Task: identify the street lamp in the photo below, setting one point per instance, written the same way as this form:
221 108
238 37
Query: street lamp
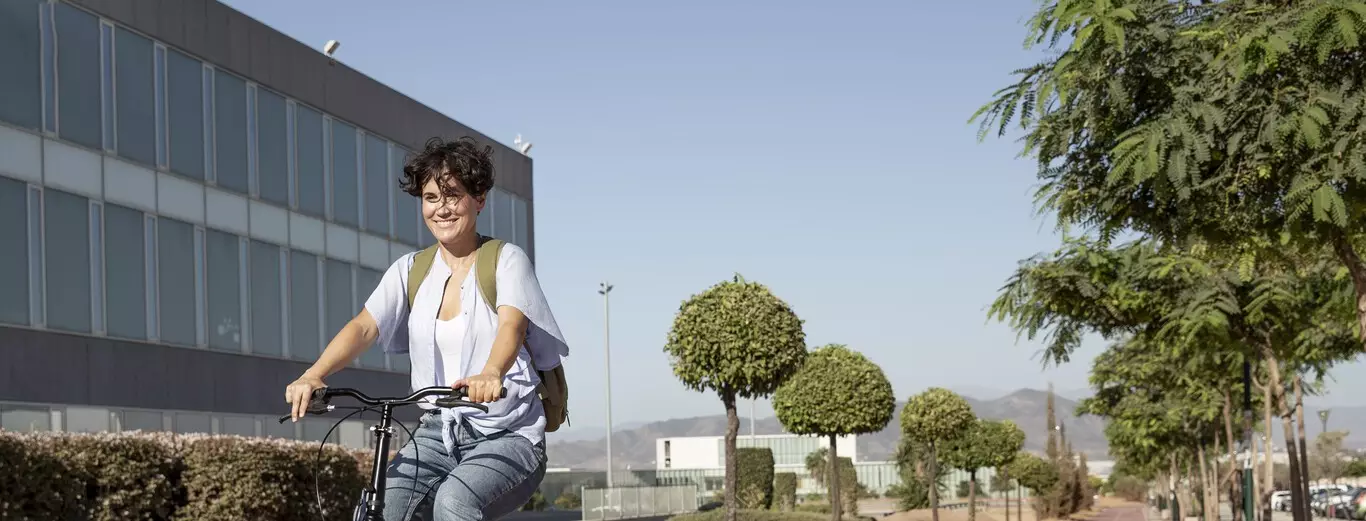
1323 417
604 289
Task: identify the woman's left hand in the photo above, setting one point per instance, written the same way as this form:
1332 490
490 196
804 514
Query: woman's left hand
482 388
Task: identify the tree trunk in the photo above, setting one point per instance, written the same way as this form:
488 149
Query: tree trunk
1304 451
1268 465
1019 503
972 495
1342 246
732 474
1007 491
934 482
1174 503
1204 482
833 471
1258 505
1276 386
1234 485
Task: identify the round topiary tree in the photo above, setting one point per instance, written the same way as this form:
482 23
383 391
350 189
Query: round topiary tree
984 444
837 393
739 340
933 417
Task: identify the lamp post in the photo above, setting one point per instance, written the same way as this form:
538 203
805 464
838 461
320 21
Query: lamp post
604 289
1323 417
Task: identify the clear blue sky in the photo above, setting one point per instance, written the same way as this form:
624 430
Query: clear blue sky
818 147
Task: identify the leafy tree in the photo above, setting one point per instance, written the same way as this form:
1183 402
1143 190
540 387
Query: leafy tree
984 444
1034 473
1232 122
932 417
1355 469
837 392
1327 458
739 340
1195 309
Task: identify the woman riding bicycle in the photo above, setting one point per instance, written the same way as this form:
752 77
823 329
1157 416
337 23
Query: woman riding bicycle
461 464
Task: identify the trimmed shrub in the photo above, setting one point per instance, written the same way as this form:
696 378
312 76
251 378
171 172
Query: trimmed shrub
784 491
754 487
125 476
568 501
36 483
231 478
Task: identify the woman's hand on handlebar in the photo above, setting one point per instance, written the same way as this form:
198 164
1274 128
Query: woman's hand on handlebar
481 388
298 394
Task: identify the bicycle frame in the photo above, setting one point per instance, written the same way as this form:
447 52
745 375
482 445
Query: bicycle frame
370 505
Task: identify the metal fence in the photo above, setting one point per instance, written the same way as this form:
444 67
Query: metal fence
633 502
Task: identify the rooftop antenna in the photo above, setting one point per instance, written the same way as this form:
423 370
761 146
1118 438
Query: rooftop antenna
522 146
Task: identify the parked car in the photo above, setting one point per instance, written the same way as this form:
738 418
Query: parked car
1280 500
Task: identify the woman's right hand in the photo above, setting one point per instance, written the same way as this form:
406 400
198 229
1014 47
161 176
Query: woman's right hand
299 393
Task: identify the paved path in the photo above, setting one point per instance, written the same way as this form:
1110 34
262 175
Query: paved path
1124 513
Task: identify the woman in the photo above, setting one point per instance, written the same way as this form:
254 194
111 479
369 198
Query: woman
473 465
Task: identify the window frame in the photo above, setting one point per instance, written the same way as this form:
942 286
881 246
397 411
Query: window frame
109 135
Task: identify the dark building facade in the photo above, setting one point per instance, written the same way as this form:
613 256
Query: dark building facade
191 205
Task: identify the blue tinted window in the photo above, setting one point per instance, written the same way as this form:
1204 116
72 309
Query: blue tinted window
20 51
66 221
185 83
309 138
125 272
345 201
135 97
78 73
272 147
230 131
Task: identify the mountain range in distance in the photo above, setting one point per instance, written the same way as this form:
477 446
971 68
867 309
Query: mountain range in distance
633 444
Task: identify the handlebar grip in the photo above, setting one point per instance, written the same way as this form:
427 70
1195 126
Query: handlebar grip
458 399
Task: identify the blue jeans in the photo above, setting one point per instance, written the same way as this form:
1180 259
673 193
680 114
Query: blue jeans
488 477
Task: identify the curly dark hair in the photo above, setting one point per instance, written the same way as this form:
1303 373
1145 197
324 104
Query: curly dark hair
463 159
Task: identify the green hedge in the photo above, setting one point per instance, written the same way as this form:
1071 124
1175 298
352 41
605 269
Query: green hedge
785 491
754 468
752 515
139 476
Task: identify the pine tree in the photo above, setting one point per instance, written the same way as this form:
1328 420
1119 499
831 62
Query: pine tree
1052 447
1084 500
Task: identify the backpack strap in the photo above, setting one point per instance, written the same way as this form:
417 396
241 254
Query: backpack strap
422 263
486 271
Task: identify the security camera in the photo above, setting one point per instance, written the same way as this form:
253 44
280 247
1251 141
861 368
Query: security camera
522 146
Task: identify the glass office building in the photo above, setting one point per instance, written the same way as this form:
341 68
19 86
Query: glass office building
191 205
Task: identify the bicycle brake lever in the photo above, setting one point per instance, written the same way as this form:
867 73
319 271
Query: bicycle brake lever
313 408
457 402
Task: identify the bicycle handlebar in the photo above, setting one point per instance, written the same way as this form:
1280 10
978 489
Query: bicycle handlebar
318 402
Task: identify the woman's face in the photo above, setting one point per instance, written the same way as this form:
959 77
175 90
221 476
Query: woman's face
450 218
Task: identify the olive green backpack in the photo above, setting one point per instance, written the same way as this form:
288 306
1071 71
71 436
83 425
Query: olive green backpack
553 390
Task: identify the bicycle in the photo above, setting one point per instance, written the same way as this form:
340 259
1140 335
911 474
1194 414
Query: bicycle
370 505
